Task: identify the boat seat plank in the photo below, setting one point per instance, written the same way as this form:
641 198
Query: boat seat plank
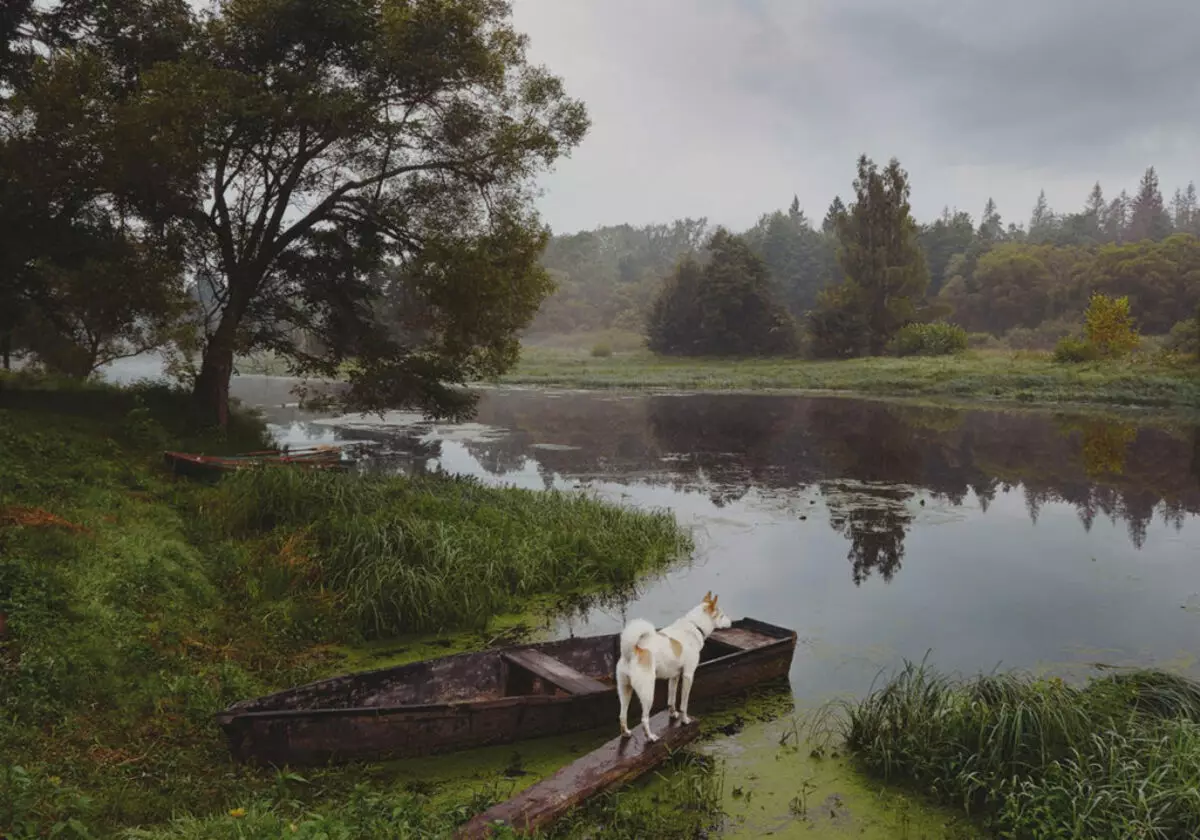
555 672
619 761
741 638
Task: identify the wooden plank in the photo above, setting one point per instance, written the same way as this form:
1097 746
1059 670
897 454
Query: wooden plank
742 638
619 761
554 671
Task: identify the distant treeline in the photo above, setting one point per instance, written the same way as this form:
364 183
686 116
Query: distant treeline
987 276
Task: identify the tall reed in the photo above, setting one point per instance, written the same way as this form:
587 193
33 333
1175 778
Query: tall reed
1117 757
402 554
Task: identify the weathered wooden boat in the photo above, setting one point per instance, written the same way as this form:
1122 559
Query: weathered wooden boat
211 466
479 699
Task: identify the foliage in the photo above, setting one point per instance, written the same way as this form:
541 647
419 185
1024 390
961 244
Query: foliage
988 277
1045 336
1148 217
837 325
801 261
1109 327
1119 757
1071 349
90 268
601 351
410 134
885 270
608 277
1018 285
724 308
936 339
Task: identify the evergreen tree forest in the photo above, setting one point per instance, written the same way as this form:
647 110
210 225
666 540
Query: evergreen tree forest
1026 282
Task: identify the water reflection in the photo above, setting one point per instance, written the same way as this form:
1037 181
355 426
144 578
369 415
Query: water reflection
877 530
727 445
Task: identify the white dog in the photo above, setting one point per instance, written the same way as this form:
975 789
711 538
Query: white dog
668 654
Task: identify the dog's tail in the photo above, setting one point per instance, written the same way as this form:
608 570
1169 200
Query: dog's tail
633 634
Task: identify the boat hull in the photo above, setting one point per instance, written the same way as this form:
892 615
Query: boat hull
307 734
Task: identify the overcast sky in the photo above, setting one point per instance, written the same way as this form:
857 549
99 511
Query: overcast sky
725 108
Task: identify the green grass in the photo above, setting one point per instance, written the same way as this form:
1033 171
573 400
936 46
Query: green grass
1024 377
1118 757
138 605
691 783
434 553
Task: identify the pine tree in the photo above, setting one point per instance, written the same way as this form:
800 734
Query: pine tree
1148 218
879 252
1183 209
1190 193
1116 219
1042 222
837 209
1091 225
991 228
794 210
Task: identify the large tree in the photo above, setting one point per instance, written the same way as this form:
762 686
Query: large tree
726 307
89 261
801 260
359 159
1148 217
886 273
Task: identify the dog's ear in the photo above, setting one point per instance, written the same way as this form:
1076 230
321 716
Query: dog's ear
714 601
708 599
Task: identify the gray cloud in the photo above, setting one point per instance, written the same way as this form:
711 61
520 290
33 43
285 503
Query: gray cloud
726 109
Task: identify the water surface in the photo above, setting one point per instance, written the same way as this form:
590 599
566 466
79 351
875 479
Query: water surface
1049 541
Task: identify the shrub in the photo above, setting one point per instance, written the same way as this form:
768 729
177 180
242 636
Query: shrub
1184 337
1042 337
1109 326
1073 350
938 339
601 351
982 341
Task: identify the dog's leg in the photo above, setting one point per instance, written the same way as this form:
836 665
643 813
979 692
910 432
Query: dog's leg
672 684
625 691
646 699
683 697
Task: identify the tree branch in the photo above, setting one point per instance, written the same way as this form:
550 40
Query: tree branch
319 212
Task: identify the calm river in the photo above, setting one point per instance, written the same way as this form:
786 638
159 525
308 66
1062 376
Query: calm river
1046 541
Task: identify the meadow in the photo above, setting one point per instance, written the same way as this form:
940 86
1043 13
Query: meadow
1150 379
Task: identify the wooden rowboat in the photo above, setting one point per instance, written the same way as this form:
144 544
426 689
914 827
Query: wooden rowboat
477 699
211 466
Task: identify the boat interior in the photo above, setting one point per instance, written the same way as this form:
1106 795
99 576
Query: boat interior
573 666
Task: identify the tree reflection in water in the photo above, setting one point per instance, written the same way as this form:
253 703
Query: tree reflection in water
868 459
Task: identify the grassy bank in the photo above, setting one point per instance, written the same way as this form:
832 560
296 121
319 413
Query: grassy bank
1116 758
1027 377
137 605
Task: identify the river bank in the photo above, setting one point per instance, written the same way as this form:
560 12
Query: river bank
1147 380
138 605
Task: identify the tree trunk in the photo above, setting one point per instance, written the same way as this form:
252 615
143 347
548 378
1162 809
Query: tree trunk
6 348
210 395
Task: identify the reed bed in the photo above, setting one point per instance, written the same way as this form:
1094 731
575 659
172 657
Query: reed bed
399 554
1117 757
